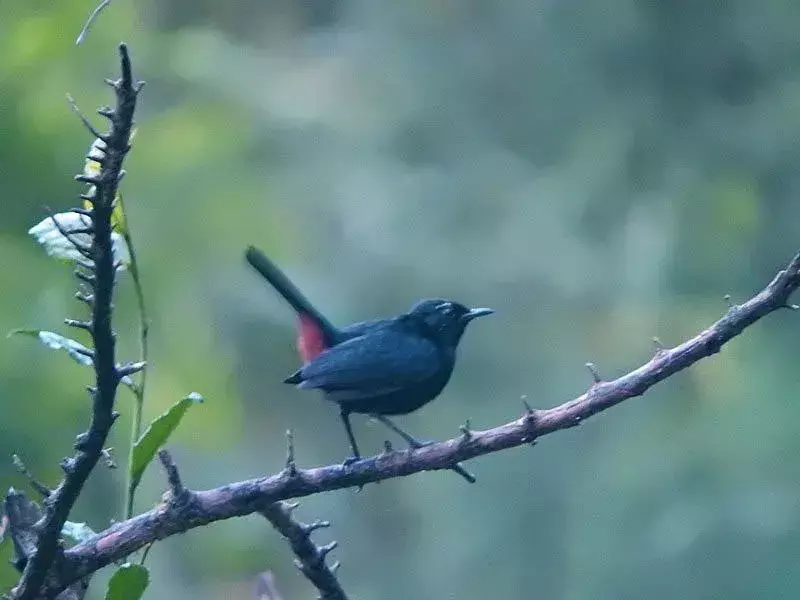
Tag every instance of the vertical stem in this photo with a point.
(144, 327)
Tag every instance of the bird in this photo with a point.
(379, 367)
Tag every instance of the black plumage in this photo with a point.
(381, 367)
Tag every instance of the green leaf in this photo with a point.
(128, 583)
(79, 532)
(156, 435)
(76, 350)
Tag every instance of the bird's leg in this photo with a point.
(415, 443)
(345, 414)
(410, 440)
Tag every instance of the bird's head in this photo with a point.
(445, 319)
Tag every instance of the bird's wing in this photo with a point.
(377, 363)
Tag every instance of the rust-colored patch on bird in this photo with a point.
(310, 341)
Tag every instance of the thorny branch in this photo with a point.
(89, 445)
(198, 508)
(310, 557)
(22, 515)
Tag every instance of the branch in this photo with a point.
(310, 557)
(89, 445)
(247, 497)
(22, 515)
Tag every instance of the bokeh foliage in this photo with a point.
(600, 173)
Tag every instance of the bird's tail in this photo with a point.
(270, 271)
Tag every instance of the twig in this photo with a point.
(173, 476)
(310, 557)
(178, 493)
(86, 122)
(95, 13)
(89, 447)
(246, 497)
(37, 485)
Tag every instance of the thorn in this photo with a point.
(88, 352)
(91, 389)
(387, 447)
(335, 567)
(88, 195)
(327, 549)
(466, 475)
(86, 264)
(530, 414)
(66, 465)
(87, 325)
(113, 83)
(37, 485)
(466, 431)
(290, 506)
(791, 306)
(82, 177)
(100, 160)
(85, 277)
(81, 211)
(85, 298)
(291, 466)
(106, 111)
(81, 441)
(114, 416)
(595, 373)
(311, 527)
(84, 120)
(130, 369)
(173, 476)
(728, 301)
(122, 172)
(659, 345)
(139, 86)
(108, 458)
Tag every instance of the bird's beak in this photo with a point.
(477, 312)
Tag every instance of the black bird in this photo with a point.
(380, 367)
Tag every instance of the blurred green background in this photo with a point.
(599, 173)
